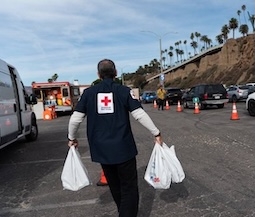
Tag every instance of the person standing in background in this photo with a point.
(161, 95)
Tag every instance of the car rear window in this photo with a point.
(244, 87)
(215, 88)
(173, 90)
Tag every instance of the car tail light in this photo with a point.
(205, 96)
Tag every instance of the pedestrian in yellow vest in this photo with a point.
(161, 95)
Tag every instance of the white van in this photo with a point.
(16, 117)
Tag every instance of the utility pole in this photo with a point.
(162, 75)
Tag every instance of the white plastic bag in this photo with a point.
(74, 175)
(174, 165)
(163, 167)
(157, 173)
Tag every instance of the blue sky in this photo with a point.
(69, 37)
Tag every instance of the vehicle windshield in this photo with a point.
(173, 90)
(244, 87)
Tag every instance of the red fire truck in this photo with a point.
(62, 95)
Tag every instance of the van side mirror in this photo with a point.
(32, 100)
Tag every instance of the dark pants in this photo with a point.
(123, 183)
(161, 103)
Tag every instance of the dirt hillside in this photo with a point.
(234, 64)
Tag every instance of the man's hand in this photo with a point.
(73, 143)
(158, 139)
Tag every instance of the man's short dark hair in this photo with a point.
(106, 69)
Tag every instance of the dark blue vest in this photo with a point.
(107, 106)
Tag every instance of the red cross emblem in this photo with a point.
(105, 101)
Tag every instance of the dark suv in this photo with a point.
(206, 95)
(173, 95)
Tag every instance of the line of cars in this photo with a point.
(217, 95)
(173, 95)
(243, 92)
(207, 95)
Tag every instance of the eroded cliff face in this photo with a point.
(234, 64)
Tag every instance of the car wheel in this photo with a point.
(251, 107)
(202, 106)
(32, 136)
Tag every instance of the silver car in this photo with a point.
(237, 92)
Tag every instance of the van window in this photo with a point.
(65, 92)
(76, 92)
(6, 87)
(7, 98)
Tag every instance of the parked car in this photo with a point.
(148, 96)
(205, 95)
(173, 95)
(251, 84)
(250, 104)
(238, 92)
(251, 88)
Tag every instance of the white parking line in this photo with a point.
(48, 206)
(42, 161)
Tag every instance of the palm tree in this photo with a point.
(198, 35)
(244, 29)
(180, 43)
(244, 8)
(209, 41)
(171, 48)
(185, 43)
(181, 54)
(194, 45)
(177, 54)
(170, 54)
(233, 24)
(219, 39)
(225, 31)
(55, 77)
(192, 36)
(164, 60)
(238, 13)
(204, 39)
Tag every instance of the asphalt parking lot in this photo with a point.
(217, 155)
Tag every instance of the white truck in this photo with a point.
(17, 119)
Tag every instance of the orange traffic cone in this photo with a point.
(167, 105)
(102, 181)
(155, 104)
(196, 111)
(179, 108)
(47, 115)
(234, 115)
